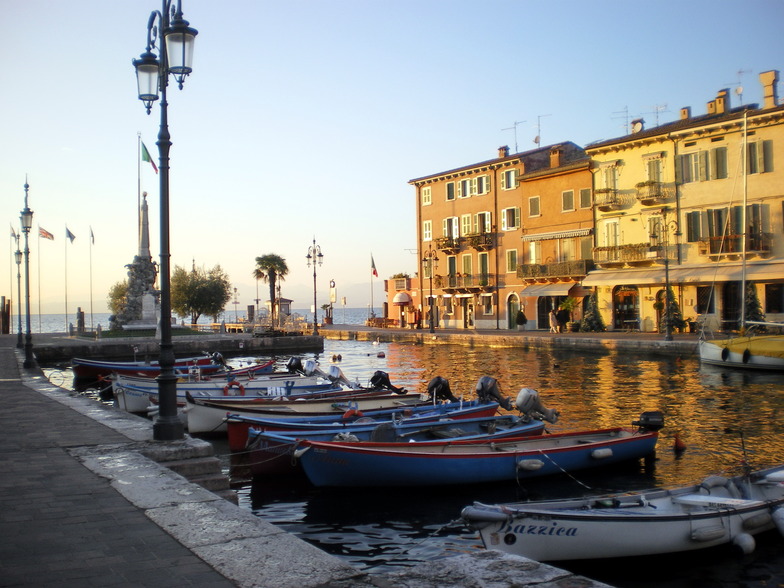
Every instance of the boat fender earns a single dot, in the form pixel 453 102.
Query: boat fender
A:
pixel 773 478
pixel 725 354
pixel 708 534
pixel 745 543
pixel 299 452
pixel 746 356
pixel 714 482
pixel 602 453
pixel 227 389
pixel 758 520
pixel 778 519
pixel 530 465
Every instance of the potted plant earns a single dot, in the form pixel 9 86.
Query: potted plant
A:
pixel 521 320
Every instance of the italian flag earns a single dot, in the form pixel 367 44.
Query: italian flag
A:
pixel 146 157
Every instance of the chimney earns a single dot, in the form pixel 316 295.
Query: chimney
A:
pixel 686 113
pixel 503 151
pixel 712 107
pixel 556 156
pixel 769 79
pixel 722 101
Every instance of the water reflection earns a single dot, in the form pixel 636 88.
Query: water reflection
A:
pixel 716 413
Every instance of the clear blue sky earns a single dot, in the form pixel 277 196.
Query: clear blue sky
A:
pixel 308 118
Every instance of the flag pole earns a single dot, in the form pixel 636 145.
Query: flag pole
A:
pixel 40 328
pixel 92 240
pixel 138 188
pixel 65 244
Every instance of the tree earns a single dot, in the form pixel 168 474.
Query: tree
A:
pixel 592 318
pixel 753 310
pixel 116 300
pixel 198 292
pixel 271 268
pixel 672 314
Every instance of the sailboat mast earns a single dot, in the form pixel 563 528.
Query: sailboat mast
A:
pixel 744 228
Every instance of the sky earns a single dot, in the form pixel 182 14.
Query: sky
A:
pixel 306 120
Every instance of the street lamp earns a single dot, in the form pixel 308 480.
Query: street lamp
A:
pixel 431 262
pixel 665 229
pixel 316 258
pixel 27 224
pixel 174 56
pixel 18 258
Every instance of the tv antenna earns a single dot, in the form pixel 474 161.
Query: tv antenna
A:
pixel 514 128
pixel 657 108
pixel 538 138
pixel 739 87
pixel 624 114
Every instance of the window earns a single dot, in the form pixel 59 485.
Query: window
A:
pixel 509 179
pixel 450 227
pixel 693 226
pixel 718 163
pixel 487 304
pixel 567 201
pixel 774 298
pixel 759 157
pixel 533 206
pixel 700 166
pixel 653 169
pixel 535 252
pixel 510 218
pixel 448 305
pixel 465 224
pixel 611 234
pixel 484 268
pixel 464 188
pixel 586 247
pixel 705 300
pixel 610 176
pixel 468 265
pixel 656 230
pixel 482 223
pixel 481 185
pixel 427 230
pixel 427 196
pixel 585 198
pixel 450 191
pixel 511 260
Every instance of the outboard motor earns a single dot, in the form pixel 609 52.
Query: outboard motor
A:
pixel 528 403
pixel 336 376
pixel 652 420
pixel 217 358
pixel 294 365
pixel 438 389
pixel 488 391
pixel 380 381
pixel 310 367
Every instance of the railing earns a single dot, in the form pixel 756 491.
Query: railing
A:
pixel 458 281
pixel 652 192
pixel 480 241
pixel 630 253
pixel 563 269
pixel 607 199
pixel 448 243
pixel 733 244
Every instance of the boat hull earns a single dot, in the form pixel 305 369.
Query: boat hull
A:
pixel 638 524
pixel 363 465
pixel 763 352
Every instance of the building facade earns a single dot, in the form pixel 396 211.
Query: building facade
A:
pixel 693 205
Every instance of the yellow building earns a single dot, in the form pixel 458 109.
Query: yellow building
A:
pixel 668 209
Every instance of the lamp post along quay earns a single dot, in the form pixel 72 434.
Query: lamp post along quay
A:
pixel 18 258
pixel 430 261
pixel 27 224
pixel 173 39
pixel 317 258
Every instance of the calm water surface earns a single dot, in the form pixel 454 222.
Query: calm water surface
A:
pixel 717 413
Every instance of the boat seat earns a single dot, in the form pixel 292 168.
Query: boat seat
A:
pixel 446 433
pixel 712 501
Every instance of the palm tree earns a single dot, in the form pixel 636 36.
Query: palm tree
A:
pixel 271 268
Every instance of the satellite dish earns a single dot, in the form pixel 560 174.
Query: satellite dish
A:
pixel 537 139
pixel 739 90
pixel 636 126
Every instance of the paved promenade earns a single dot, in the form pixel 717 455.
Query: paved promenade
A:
pixel 85 502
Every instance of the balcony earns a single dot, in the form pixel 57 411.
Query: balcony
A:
pixel 651 192
pixel 573 270
pixel 448 244
pixel 757 244
pixel 607 199
pixel 631 255
pixel 466 283
pixel 479 241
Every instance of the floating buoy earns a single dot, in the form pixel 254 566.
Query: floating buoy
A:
pixel 778 519
pixel 679 446
pixel 530 464
pixel 380 354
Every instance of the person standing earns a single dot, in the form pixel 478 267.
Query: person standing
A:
pixel 553 321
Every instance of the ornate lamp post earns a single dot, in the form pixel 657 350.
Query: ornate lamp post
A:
pixel 27 224
pixel 430 261
pixel 173 40
pixel 316 258
pixel 665 229
pixel 18 258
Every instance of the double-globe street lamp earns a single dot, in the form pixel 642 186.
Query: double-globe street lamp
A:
pixel 27 224
pixel 430 261
pixel 665 240
pixel 316 258
pixel 174 57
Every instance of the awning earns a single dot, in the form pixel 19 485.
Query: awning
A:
pixel 558 235
pixel 694 274
pixel 401 299
pixel 559 289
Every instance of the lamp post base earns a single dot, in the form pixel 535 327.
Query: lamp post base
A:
pixel 168 430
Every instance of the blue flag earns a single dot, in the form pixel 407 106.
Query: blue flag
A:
pixel 69 234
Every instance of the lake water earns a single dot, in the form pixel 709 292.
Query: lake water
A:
pixel 724 417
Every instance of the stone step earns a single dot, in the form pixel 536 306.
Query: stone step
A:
pixel 195 467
